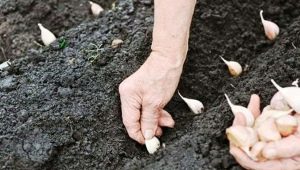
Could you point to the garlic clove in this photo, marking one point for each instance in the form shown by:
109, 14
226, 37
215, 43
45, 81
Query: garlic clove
152, 145
240, 109
287, 125
278, 102
195, 105
5, 64
295, 83
269, 112
268, 131
291, 95
96, 8
116, 43
256, 151
271, 29
47, 36
235, 69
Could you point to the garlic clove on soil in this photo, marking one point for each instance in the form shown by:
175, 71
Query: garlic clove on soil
96, 8
195, 105
5, 64
278, 102
291, 95
235, 69
287, 125
256, 151
152, 145
243, 110
116, 43
271, 29
268, 131
47, 36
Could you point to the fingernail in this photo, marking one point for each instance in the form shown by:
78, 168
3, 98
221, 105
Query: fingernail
148, 134
270, 153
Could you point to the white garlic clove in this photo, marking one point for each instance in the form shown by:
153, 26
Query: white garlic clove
268, 131
278, 102
243, 110
235, 69
195, 105
271, 29
269, 112
96, 8
152, 145
116, 43
256, 151
47, 36
287, 125
295, 83
5, 64
291, 95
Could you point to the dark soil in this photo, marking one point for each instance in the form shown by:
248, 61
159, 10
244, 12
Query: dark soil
60, 109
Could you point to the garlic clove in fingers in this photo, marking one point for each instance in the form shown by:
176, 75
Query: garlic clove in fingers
47, 36
96, 8
152, 145
235, 69
195, 105
243, 110
268, 131
271, 29
291, 95
278, 102
287, 125
256, 151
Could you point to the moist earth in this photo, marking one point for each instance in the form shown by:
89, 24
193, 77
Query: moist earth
60, 108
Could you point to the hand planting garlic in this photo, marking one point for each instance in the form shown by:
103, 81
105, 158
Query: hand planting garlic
271, 29
242, 137
235, 69
47, 36
268, 131
152, 145
116, 43
96, 8
4, 65
195, 105
236, 109
287, 125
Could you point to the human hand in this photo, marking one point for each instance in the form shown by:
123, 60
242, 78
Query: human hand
285, 153
144, 95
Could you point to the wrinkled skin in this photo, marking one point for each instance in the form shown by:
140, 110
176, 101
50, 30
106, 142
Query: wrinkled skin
284, 154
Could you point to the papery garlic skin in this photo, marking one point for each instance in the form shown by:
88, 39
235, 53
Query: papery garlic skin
96, 8
256, 151
116, 43
235, 69
195, 105
271, 29
4, 65
47, 36
268, 131
152, 145
278, 102
236, 109
291, 95
287, 125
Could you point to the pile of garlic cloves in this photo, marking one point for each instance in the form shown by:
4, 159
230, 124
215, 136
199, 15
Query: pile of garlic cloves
279, 119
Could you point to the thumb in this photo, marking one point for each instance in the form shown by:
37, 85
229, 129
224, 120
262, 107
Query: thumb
149, 121
284, 148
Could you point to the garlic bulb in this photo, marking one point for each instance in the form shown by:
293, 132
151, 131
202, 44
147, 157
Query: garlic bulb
278, 102
287, 125
271, 29
267, 131
235, 69
152, 145
5, 64
256, 151
291, 95
267, 113
47, 36
116, 43
242, 137
195, 105
240, 109
96, 8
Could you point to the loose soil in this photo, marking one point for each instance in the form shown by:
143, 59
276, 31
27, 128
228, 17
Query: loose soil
60, 109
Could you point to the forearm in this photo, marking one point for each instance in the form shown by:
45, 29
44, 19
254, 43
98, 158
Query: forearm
172, 20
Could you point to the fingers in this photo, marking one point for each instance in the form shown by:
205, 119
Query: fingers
285, 148
149, 121
158, 132
254, 105
166, 119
